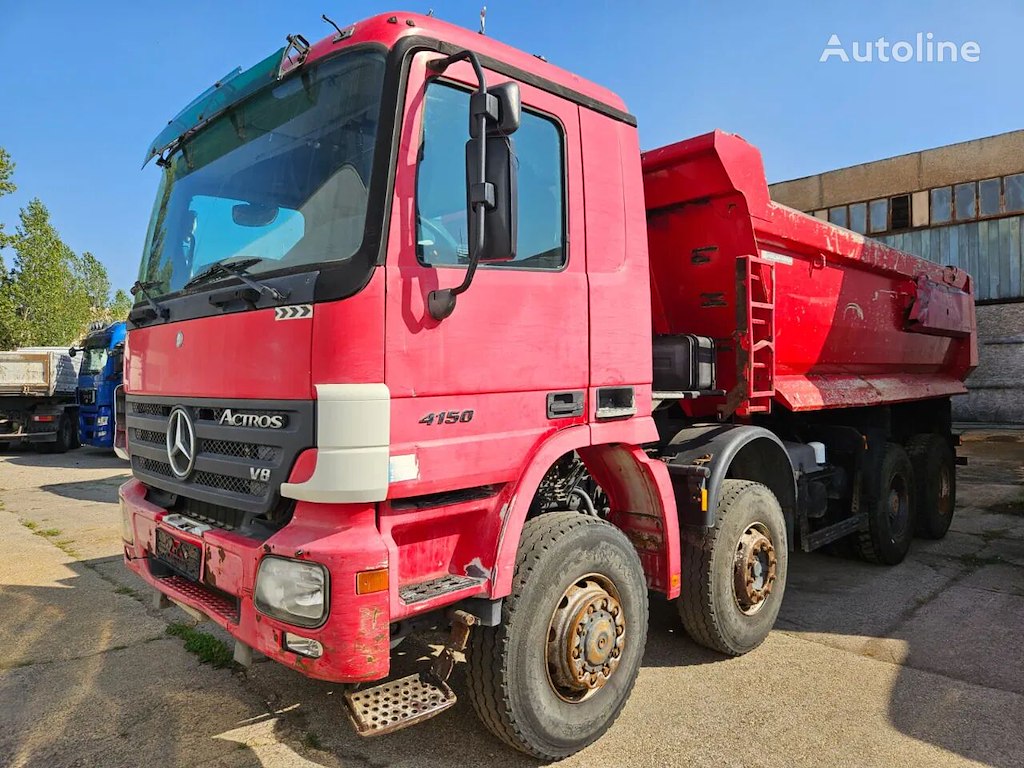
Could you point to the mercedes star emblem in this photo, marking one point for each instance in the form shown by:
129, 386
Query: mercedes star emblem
181, 443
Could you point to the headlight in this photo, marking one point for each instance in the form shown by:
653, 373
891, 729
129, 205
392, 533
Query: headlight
292, 590
102, 421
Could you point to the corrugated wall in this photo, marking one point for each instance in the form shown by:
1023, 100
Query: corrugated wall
988, 250
991, 252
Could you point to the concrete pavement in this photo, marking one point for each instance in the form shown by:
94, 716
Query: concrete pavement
920, 664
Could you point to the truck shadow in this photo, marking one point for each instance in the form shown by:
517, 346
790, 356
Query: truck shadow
91, 458
103, 489
89, 677
949, 618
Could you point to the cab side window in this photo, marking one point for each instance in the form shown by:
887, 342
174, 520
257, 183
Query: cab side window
441, 235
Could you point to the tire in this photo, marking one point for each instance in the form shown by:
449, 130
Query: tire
934, 465
66, 430
516, 671
65, 438
891, 515
76, 441
716, 612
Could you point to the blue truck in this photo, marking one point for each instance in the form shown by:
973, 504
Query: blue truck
98, 379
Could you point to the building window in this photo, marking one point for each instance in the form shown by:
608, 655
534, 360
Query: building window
1014, 192
859, 218
837, 215
966, 207
900, 206
941, 205
879, 220
988, 197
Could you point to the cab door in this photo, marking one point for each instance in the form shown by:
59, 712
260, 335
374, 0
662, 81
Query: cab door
473, 395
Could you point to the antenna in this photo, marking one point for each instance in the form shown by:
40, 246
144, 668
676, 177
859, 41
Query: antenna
331, 22
483, 20
430, 13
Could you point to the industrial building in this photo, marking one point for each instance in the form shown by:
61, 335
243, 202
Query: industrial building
961, 205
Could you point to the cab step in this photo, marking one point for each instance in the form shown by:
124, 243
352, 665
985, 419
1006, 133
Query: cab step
443, 585
398, 704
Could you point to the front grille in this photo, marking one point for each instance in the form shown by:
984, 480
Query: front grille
152, 466
236, 468
150, 409
148, 436
240, 450
266, 453
212, 514
231, 484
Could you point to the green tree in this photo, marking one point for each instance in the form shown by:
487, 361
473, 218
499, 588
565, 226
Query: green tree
44, 302
50, 295
121, 305
6, 187
93, 277
6, 307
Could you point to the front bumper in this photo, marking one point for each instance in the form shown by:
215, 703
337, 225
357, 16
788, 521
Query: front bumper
91, 433
343, 538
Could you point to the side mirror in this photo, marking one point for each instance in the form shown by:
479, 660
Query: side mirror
504, 109
499, 234
491, 178
72, 352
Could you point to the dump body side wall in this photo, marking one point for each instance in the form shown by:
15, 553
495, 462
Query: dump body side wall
38, 371
846, 313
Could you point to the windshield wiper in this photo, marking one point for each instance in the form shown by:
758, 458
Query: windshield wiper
237, 269
143, 288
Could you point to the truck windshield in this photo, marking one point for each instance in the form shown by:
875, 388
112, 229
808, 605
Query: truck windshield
281, 177
93, 359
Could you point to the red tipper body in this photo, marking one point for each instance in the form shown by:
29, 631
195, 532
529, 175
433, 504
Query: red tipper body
826, 319
386, 461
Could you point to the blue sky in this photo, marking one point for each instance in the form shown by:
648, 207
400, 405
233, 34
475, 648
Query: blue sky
85, 86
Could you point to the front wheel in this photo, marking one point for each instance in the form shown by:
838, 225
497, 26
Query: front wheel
554, 675
734, 574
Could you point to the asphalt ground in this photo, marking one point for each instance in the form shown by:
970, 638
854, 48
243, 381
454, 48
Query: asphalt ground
920, 664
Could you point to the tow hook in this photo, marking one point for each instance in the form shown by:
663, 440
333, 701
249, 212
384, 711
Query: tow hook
397, 704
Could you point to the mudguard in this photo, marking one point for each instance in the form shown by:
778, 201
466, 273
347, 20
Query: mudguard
734, 451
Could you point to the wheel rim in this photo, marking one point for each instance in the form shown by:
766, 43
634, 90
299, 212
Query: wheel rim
586, 638
755, 568
898, 507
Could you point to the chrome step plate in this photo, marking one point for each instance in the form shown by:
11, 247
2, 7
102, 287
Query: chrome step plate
397, 704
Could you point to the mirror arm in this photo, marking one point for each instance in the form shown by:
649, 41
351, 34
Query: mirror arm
441, 302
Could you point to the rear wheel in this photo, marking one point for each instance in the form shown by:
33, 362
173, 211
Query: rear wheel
935, 474
734, 574
555, 674
891, 515
65, 436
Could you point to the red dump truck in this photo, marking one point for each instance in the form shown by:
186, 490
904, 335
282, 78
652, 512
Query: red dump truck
423, 340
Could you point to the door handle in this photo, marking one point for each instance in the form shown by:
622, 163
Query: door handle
565, 405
